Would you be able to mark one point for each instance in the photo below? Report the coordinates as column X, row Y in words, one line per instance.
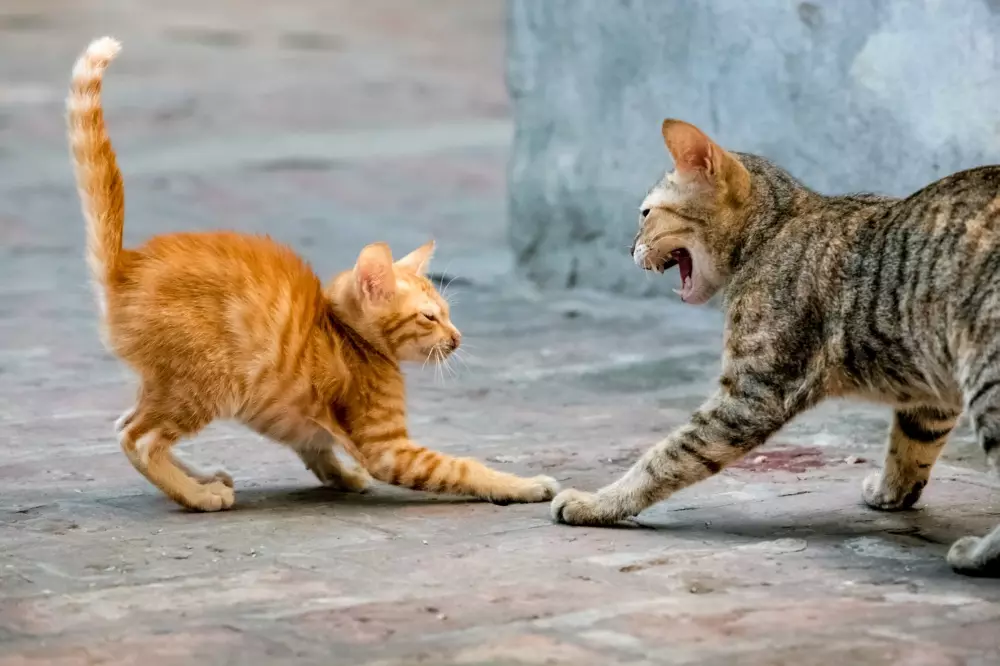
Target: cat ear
column 693, row 152
column 418, row 260
column 373, row 273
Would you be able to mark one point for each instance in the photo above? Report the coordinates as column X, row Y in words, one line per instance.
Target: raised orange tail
column 98, row 179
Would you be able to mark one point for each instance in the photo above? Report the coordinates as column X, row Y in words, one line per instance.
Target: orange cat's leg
column 328, row 469
column 404, row 463
column 317, row 452
column 147, row 441
column 126, row 419
column 201, row 477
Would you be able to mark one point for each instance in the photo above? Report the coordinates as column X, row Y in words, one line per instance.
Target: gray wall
column 850, row 95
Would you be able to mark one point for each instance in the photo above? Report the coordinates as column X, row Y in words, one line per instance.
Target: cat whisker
column 436, row 352
column 444, row 287
column 454, row 356
column 442, row 365
column 447, row 286
column 460, row 358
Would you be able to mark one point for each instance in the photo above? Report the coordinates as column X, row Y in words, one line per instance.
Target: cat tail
column 98, row 178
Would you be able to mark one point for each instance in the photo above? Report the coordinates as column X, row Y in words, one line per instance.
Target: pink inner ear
column 373, row 272
column 691, row 149
column 375, row 279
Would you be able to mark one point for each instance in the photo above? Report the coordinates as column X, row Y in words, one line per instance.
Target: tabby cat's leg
column 402, row 462
column 915, row 441
column 725, row 429
column 980, row 556
column 977, row 556
column 147, row 440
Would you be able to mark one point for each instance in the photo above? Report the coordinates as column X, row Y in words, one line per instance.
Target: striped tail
column 98, row 179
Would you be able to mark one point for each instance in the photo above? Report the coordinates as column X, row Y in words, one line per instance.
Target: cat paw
column 882, row 497
column 220, row 476
column 332, row 475
column 543, row 488
column 351, row 481
column 214, row 496
column 574, row 507
column 967, row 556
column 536, row 489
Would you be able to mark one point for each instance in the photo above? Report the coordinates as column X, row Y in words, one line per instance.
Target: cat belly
column 286, row 426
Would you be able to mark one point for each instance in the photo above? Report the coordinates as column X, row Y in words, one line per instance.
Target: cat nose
column 456, row 340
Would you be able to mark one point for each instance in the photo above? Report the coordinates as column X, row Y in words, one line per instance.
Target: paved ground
column 330, row 125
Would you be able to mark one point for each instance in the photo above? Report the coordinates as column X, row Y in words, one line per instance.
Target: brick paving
column 213, row 106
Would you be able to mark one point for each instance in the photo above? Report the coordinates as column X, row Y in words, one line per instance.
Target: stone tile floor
column 330, row 125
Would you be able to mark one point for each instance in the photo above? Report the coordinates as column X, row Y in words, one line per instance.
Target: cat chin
column 697, row 290
column 697, row 298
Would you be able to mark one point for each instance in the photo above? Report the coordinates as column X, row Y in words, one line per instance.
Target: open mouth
column 682, row 259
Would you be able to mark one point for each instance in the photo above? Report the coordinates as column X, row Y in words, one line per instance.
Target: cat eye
column 429, row 316
column 645, row 212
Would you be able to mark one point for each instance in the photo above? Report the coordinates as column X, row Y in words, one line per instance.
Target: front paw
column 535, row 489
column 543, row 488
column 883, row 496
column 574, row 507
column 973, row 556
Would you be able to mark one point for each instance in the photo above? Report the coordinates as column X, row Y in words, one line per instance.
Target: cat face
column 401, row 307
column 689, row 210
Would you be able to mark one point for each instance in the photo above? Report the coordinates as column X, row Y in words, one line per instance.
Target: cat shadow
column 922, row 526
column 295, row 498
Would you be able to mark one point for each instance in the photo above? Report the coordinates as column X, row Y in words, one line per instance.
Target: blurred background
column 856, row 96
column 305, row 119
column 521, row 135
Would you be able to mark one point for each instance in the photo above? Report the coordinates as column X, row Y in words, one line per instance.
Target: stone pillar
column 859, row 95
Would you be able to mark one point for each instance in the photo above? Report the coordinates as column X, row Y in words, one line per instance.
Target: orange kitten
column 222, row 325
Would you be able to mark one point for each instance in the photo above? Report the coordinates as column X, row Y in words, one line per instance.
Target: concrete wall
column 852, row 95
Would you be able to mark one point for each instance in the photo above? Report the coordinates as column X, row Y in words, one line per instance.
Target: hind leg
column 147, row 441
column 126, row 419
column 980, row 556
column 201, row 477
column 915, row 441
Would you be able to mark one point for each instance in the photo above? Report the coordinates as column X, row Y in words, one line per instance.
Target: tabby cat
column 862, row 295
column 223, row 325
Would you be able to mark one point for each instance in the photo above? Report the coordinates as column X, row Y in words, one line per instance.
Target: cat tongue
column 684, row 264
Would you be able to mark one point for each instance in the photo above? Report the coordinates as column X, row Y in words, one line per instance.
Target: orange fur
column 224, row 325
